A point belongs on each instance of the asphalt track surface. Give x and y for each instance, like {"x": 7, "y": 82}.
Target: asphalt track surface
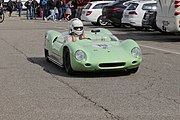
{"x": 32, "y": 89}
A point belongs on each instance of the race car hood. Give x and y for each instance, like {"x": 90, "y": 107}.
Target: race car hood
{"x": 105, "y": 51}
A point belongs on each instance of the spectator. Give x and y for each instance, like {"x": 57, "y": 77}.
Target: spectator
{"x": 68, "y": 10}
{"x": 10, "y": 7}
{"x": 44, "y": 8}
{"x": 51, "y": 6}
{"x": 81, "y": 4}
{"x": 29, "y": 9}
{"x": 73, "y": 8}
{"x": 59, "y": 5}
{"x": 64, "y": 9}
{"x": 19, "y": 7}
{"x": 34, "y": 5}
{"x": 56, "y": 12}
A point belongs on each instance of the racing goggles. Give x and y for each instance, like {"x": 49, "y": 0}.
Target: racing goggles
{"x": 78, "y": 28}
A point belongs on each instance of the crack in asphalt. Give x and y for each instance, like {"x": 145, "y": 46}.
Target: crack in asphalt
{"x": 150, "y": 85}
{"x": 112, "y": 116}
{"x": 171, "y": 99}
{"x": 21, "y": 52}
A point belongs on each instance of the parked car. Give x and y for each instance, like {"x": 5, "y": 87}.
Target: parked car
{"x": 113, "y": 12}
{"x": 134, "y": 13}
{"x": 149, "y": 20}
{"x": 92, "y": 12}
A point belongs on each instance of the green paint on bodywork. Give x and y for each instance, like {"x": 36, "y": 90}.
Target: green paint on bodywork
{"x": 102, "y": 48}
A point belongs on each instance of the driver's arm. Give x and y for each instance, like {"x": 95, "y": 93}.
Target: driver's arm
{"x": 84, "y": 37}
{"x": 68, "y": 38}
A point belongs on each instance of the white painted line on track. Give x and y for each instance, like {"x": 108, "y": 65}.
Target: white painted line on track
{"x": 160, "y": 49}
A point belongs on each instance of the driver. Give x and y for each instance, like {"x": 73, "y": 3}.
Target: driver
{"x": 76, "y": 30}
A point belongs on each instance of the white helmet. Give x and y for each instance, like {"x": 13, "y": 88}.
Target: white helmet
{"x": 76, "y": 26}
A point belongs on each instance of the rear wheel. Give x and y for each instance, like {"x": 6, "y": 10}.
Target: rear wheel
{"x": 67, "y": 62}
{"x": 46, "y": 54}
{"x": 101, "y": 22}
{"x": 139, "y": 28}
{"x": 117, "y": 25}
{"x": 94, "y": 23}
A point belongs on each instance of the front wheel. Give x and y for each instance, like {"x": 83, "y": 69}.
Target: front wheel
{"x": 46, "y": 54}
{"x": 134, "y": 70}
{"x": 139, "y": 28}
{"x": 94, "y": 23}
{"x": 67, "y": 62}
{"x": 1, "y": 17}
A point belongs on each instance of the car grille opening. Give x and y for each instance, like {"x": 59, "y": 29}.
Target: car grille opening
{"x": 88, "y": 64}
{"x": 112, "y": 64}
{"x": 134, "y": 62}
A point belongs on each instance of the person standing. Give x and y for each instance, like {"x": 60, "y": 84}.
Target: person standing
{"x": 51, "y": 6}
{"x": 10, "y": 7}
{"x": 34, "y": 5}
{"x": 68, "y": 10}
{"x": 43, "y": 4}
{"x": 59, "y": 5}
{"x": 81, "y": 4}
{"x": 19, "y": 7}
{"x": 29, "y": 9}
{"x": 74, "y": 6}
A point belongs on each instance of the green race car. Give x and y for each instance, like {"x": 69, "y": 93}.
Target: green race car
{"x": 99, "y": 51}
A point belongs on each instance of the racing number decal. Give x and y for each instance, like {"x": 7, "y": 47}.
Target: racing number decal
{"x": 104, "y": 46}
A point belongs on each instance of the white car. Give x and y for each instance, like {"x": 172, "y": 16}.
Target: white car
{"x": 92, "y": 12}
{"x": 134, "y": 13}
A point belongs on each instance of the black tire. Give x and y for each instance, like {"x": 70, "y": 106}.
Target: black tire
{"x": 161, "y": 31}
{"x": 101, "y": 22}
{"x": 67, "y": 62}
{"x": 132, "y": 71}
{"x": 117, "y": 25}
{"x": 2, "y": 18}
{"x": 139, "y": 28}
{"x": 94, "y": 23}
{"x": 125, "y": 26}
{"x": 46, "y": 54}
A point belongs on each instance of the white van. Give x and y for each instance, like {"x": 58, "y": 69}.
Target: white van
{"x": 168, "y": 15}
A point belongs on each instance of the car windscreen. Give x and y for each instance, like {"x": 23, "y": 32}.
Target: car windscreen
{"x": 88, "y": 6}
{"x": 132, "y": 6}
{"x": 100, "y": 6}
{"x": 149, "y": 6}
{"x": 111, "y": 4}
{"x": 118, "y": 4}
